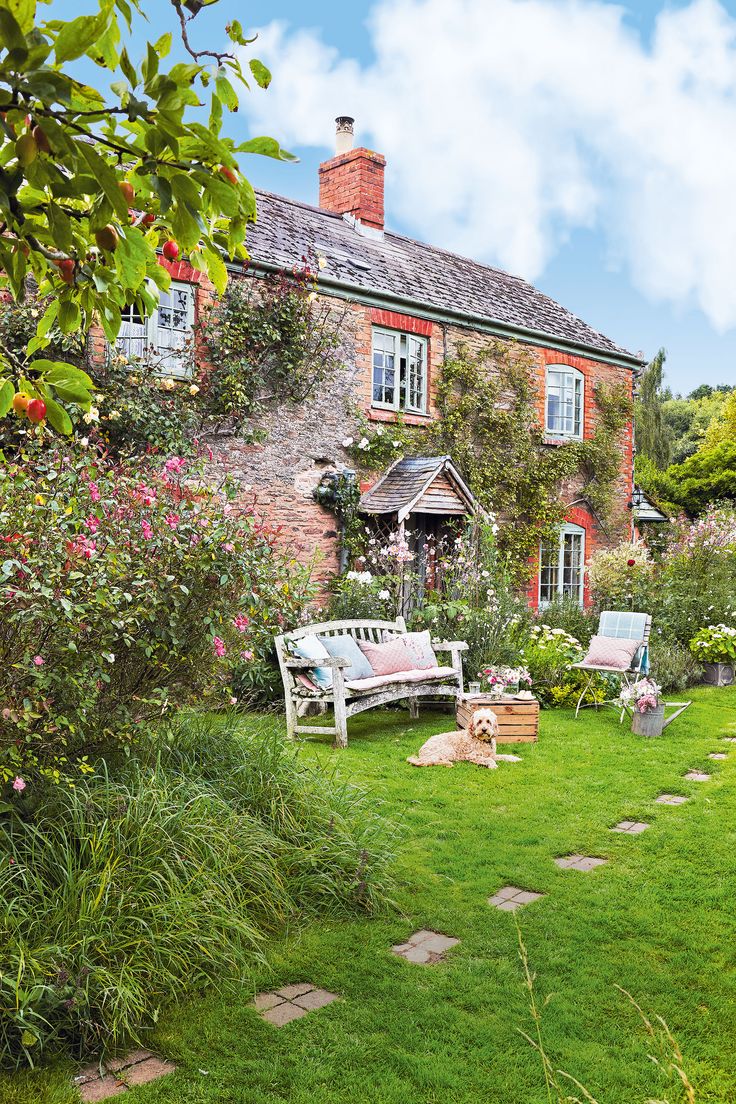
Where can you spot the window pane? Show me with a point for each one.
(416, 374)
(384, 365)
(131, 340)
(548, 572)
(173, 331)
(564, 402)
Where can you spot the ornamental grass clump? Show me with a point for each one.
(125, 593)
(125, 894)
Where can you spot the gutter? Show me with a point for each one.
(342, 290)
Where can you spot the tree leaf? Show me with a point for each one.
(7, 392)
(75, 38)
(58, 417)
(266, 147)
(260, 72)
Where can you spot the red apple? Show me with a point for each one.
(107, 238)
(170, 249)
(36, 410)
(127, 190)
(41, 139)
(149, 218)
(20, 403)
(229, 174)
(66, 269)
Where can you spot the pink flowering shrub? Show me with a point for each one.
(125, 593)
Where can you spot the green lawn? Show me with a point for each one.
(658, 919)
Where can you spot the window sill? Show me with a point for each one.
(555, 442)
(377, 414)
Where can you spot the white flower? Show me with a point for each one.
(92, 415)
(384, 595)
(347, 442)
(364, 443)
(321, 261)
(114, 415)
(194, 390)
(84, 442)
(494, 528)
(312, 296)
(395, 444)
(379, 431)
(109, 656)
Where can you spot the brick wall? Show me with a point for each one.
(352, 183)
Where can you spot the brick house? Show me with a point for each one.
(406, 306)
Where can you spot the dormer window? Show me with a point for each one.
(564, 402)
(399, 371)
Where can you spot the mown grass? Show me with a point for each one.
(658, 920)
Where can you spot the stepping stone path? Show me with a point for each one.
(729, 739)
(425, 946)
(291, 1003)
(631, 827)
(697, 776)
(718, 755)
(579, 862)
(671, 799)
(120, 1074)
(510, 898)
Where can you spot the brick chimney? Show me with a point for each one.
(351, 182)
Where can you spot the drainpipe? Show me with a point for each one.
(348, 474)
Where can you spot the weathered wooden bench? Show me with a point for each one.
(346, 699)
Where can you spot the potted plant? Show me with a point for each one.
(647, 707)
(715, 648)
(505, 680)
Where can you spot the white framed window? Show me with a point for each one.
(163, 337)
(562, 567)
(564, 402)
(399, 371)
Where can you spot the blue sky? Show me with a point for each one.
(586, 145)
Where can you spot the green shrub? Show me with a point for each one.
(716, 644)
(126, 894)
(568, 615)
(548, 656)
(124, 594)
(673, 667)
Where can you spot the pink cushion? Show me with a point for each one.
(388, 658)
(608, 651)
(402, 676)
(420, 646)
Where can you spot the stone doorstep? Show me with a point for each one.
(671, 799)
(425, 947)
(136, 1068)
(579, 862)
(631, 827)
(718, 755)
(697, 776)
(509, 898)
(729, 739)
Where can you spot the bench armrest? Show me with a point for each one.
(449, 645)
(335, 662)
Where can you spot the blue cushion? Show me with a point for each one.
(345, 647)
(309, 647)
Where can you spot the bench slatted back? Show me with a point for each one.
(359, 629)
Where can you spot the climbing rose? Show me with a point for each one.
(19, 785)
(219, 647)
(631, 563)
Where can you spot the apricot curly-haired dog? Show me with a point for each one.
(475, 744)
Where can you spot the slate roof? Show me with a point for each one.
(405, 481)
(396, 268)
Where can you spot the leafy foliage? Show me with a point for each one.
(211, 843)
(91, 186)
(652, 436)
(268, 341)
(124, 595)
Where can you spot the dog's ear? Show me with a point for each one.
(471, 726)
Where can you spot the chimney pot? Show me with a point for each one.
(343, 134)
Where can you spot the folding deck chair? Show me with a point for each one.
(620, 626)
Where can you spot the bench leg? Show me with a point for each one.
(341, 718)
(413, 708)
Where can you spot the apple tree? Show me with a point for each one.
(94, 185)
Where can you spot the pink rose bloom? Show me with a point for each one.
(39, 661)
(147, 530)
(219, 647)
(248, 655)
(241, 622)
(172, 520)
(19, 785)
(233, 701)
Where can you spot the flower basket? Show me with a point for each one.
(650, 723)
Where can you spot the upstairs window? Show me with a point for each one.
(399, 371)
(162, 338)
(562, 567)
(564, 403)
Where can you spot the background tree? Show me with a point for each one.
(92, 186)
(652, 436)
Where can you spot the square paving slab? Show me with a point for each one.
(632, 827)
(671, 799)
(697, 776)
(509, 898)
(718, 755)
(114, 1076)
(291, 1003)
(729, 739)
(426, 947)
(579, 862)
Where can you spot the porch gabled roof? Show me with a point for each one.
(407, 487)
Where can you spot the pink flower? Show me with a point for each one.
(241, 622)
(247, 655)
(92, 523)
(233, 701)
(39, 661)
(194, 539)
(229, 546)
(147, 530)
(172, 520)
(219, 647)
(19, 785)
(94, 491)
(174, 464)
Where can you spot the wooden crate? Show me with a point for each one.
(518, 721)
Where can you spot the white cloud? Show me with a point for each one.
(508, 123)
